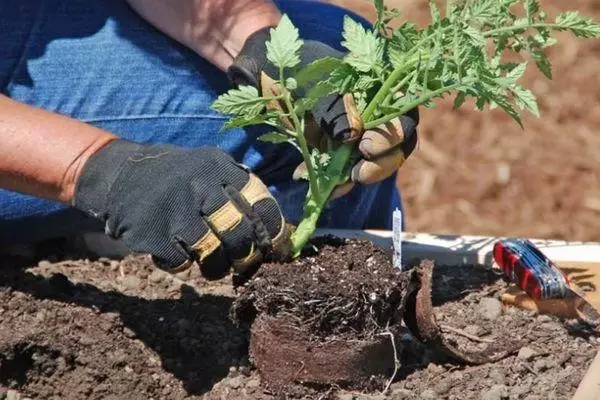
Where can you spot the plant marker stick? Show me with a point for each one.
(397, 237)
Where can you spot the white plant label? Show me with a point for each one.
(397, 238)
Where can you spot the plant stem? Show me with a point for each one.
(383, 91)
(492, 32)
(312, 175)
(337, 171)
(411, 105)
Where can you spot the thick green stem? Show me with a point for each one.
(336, 172)
(409, 106)
(492, 32)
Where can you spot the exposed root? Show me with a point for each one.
(397, 363)
(344, 291)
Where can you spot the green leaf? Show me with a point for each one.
(317, 70)
(380, 10)
(242, 121)
(459, 100)
(364, 83)
(402, 42)
(435, 12)
(532, 7)
(366, 49)
(242, 101)
(284, 46)
(273, 137)
(517, 72)
(343, 78)
(475, 36)
(291, 84)
(542, 62)
(525, 99)
(581, 26)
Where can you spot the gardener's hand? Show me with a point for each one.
(182, 206)
(384, 149)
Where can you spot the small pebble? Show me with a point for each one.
(156, 276)
(253, 383)
(496, 392)
(526, 353)
(235, 382)
(490, 308)
(544, 318)
(131, 282)
(128, 332)
(473, 329)
(429, 394)
(401, 394)
(443, 386)
(497, 376)
(540, 365)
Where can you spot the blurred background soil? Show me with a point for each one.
(480, 173)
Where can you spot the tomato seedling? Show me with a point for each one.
(389, 71)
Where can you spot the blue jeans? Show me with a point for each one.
(99, 62)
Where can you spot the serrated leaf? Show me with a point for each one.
(317, 70)
(532, 7)
(343, 78)
(316, 93)
(581, 26)
(244, 100)
(274, 137)
(542, 62)
(435, 12)
(283, 48)
(365, 48)
(403, 40)
(475, 36)
(380, 10)
(517, 72)
(364, 83)
(483, 10)
(501, 101)
(242, 121)
(525, 99)
(459, 100)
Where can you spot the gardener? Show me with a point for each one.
(106, 125)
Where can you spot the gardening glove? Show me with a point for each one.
(183, 206)
(383, 149)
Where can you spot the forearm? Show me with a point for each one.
(42, 153)
(215, 29)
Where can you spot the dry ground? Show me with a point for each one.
(479, 173)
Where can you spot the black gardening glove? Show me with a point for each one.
(384, 149)
(182, 206)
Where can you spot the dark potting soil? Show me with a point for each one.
(109, 329)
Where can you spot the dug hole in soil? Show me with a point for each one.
(316, 328)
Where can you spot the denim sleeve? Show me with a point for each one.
(99, 62)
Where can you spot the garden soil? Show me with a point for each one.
(74, 328)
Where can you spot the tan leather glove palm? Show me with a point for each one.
(383, 149)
